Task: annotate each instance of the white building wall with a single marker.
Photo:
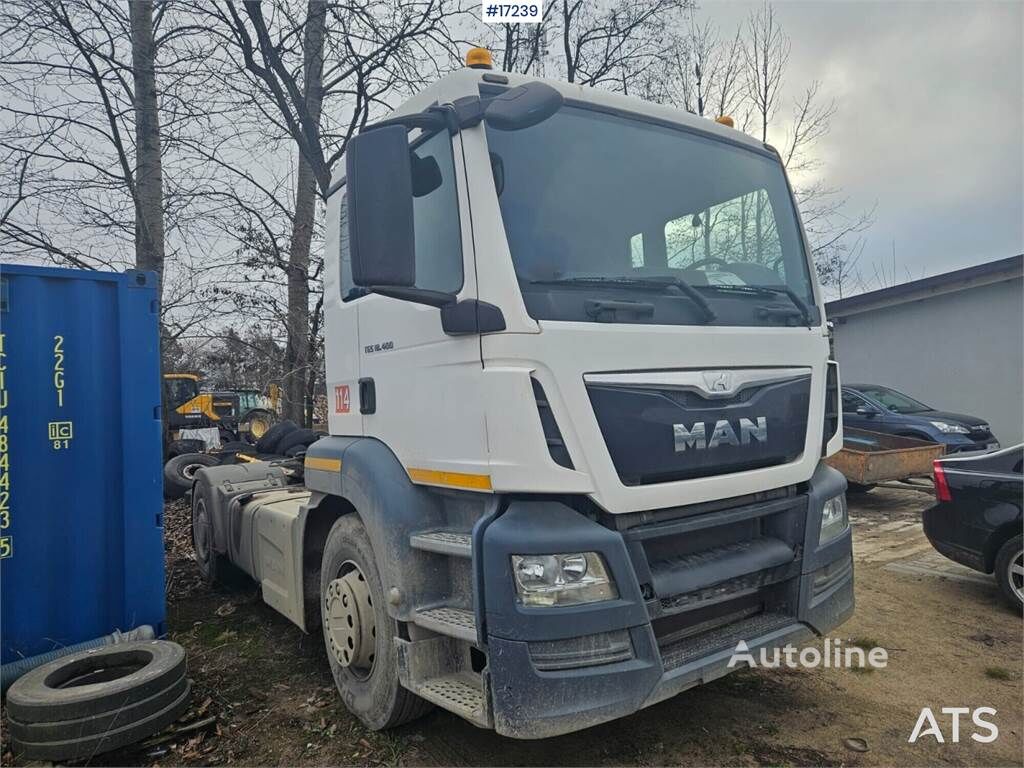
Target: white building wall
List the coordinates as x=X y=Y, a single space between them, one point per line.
x=961 y=351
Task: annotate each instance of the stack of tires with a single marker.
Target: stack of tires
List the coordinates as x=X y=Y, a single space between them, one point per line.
x=97 y=700
x=283 y=440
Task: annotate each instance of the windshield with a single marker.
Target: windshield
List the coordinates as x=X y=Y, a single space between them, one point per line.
x=180 y=391
x=611 y=218
x=894 y=401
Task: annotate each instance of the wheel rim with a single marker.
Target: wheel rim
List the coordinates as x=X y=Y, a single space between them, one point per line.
x=201 y=531
x=349 y=622
x=258 y=427
x=189 y=470
x=1015 y=575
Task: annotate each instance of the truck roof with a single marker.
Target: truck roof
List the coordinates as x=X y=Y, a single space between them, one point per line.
x=467 y=82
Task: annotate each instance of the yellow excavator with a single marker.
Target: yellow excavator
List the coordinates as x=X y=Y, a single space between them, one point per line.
x=234 y=412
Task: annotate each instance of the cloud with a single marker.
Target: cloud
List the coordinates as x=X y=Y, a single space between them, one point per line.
x=930 y=121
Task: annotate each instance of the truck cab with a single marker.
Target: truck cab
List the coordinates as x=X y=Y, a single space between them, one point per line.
x=580 y=392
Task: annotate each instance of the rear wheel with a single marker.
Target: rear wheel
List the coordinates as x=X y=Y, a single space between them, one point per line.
x=358 y=633
x=1010 y=571
x=259 y=422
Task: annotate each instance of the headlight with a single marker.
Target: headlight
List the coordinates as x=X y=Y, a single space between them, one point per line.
x=567 y=579
x=834 y=519
x=946 y=427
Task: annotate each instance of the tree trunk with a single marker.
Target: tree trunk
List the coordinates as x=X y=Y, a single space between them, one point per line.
x=297 y=348
x=148 y=193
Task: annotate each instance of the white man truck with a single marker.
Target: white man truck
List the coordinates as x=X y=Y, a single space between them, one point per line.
x=580 y=392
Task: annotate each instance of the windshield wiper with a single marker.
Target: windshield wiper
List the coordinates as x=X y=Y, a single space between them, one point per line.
x=648 y=283
x=803 y=311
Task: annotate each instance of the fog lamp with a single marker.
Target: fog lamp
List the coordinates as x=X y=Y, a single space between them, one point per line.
x=565 y=579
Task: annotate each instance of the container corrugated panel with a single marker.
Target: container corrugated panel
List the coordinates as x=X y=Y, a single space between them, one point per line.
x=80 y=457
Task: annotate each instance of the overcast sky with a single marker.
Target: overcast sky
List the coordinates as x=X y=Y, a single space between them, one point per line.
x=930 y=121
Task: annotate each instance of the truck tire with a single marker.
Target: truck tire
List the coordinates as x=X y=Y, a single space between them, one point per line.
x=79 y=747
x=364 y=663
x=180 y=472
x=95 y=681
x=101 y=722
x=1009 y=561
x=300 y=437
x=214 y=567
x=268 y=443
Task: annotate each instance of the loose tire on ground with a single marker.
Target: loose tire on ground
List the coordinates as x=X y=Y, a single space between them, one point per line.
x=273 y=436
x=97 y=724
x=105 y=741
x=96 y=681
x=180 y=471
x=372 y=694
x=1010 y=572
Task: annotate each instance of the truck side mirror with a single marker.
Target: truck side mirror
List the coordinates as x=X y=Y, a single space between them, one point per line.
x=522 y=107
x=378 y=174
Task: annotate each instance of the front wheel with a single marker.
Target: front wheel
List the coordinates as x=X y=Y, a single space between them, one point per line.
x=358 y=633
x=1010 y=571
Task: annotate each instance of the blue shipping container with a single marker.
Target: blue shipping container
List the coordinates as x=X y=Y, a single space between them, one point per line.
x=81 y=506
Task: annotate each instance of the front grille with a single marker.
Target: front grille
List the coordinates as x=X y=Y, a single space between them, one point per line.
x=727 y=590
x=658 y=433
x=721 y=638
x=705 y=572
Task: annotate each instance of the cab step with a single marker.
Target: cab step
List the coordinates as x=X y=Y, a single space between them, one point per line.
x=444 y=542
x=447 y=620
x=458 y=692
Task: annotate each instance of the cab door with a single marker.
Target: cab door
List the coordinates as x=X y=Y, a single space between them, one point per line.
x=419 y=388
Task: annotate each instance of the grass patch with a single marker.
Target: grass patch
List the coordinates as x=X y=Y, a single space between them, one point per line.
x=862 y=670
x=998 y=673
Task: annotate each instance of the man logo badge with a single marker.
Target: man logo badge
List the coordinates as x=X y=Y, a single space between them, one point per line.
x=696 y=437
x=718 y=381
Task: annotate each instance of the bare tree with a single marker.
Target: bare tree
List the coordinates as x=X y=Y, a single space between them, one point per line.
x=148 y=196
x=354 y=57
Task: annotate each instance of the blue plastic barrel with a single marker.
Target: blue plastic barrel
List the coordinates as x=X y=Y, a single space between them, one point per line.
x=81 y=523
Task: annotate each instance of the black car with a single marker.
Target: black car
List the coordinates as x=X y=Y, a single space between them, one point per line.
x=881 y=409
x=977 y=518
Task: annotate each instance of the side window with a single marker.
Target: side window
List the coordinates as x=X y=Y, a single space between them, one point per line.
x=436 y=216
x=636 y=250
x=850 y=403
x=435 y=213
x=348 y=290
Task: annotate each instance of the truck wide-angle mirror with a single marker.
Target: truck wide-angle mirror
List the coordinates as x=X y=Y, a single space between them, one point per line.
x=522 y=107
x=380 y=190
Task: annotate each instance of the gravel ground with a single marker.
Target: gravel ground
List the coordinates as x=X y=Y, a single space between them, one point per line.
x=263 y=695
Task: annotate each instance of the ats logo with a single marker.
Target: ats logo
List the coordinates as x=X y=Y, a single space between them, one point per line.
x=342 y=403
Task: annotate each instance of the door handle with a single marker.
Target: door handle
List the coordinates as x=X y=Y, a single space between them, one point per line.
x=367 y=396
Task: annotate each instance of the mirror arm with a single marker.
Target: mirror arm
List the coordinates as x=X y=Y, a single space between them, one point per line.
x=428 y=121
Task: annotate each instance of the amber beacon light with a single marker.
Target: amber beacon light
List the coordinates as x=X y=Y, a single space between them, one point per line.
x=479 y=58
x=725 y=120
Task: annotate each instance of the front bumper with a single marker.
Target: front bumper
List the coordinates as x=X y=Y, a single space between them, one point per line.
x=556 y=670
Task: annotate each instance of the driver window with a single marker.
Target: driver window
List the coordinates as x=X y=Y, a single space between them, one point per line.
x=851 y=403
x=735 y=242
